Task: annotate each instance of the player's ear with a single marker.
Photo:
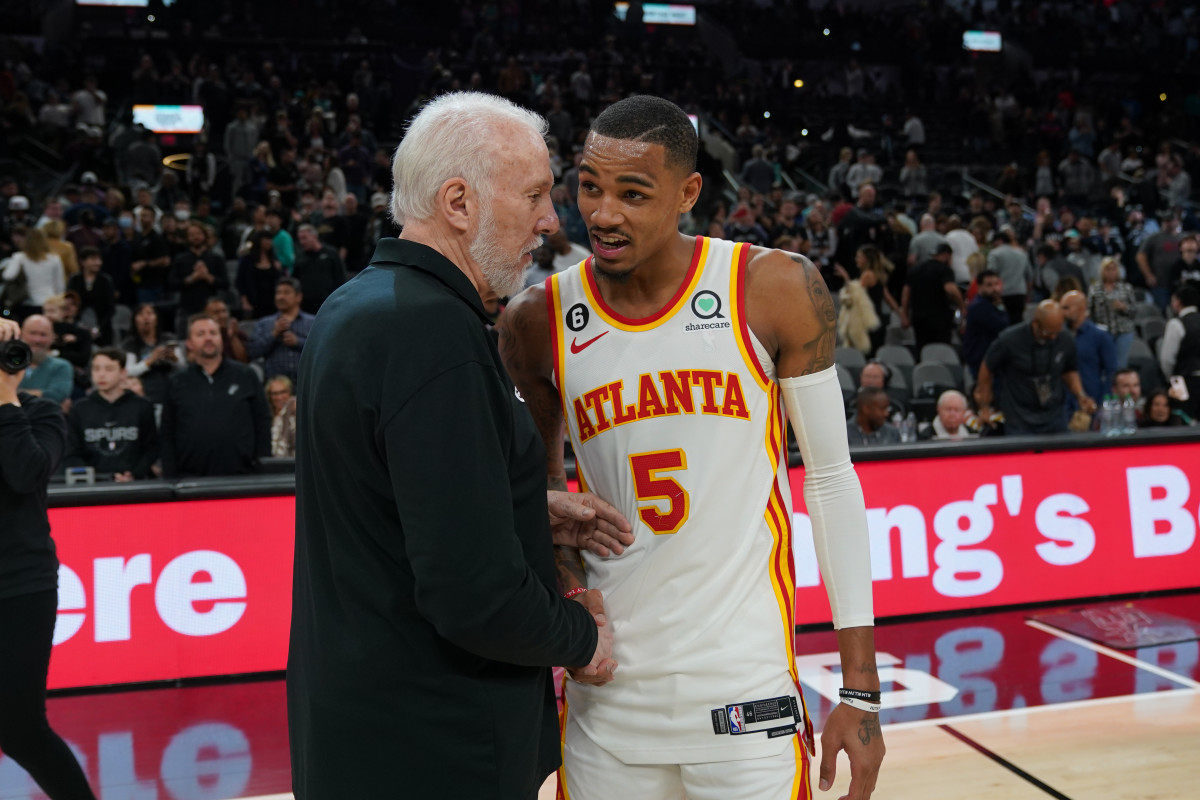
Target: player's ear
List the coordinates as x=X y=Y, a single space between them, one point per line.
x=690 y=192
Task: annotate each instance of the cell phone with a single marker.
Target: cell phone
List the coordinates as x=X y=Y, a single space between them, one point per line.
x=1179 y=388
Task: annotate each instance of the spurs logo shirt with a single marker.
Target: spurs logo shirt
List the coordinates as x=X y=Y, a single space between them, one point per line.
x=677 y=421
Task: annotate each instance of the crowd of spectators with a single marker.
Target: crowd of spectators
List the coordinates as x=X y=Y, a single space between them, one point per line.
x=167 y=247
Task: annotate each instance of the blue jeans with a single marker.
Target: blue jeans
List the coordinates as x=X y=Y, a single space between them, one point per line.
x=1123 y=341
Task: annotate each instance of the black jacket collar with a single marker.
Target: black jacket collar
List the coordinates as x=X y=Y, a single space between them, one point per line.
x=400 y=252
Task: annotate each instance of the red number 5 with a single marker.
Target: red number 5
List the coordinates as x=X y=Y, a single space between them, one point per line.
x=649 y=486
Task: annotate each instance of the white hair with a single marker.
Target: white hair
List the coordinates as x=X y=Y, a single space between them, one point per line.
x=452 y=137
x=952 y=394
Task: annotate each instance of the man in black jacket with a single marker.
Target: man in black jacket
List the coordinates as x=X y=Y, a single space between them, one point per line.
x=197 y=273
x=215 y=419
x=32 y=436
x=112 y=430
x=425 y=612
x=319 y=268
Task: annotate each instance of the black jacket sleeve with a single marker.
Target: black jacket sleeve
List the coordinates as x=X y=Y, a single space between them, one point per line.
x=262 y=422
x=167 y=439
x=472 y=580
x=148 y=441
x=33 y=439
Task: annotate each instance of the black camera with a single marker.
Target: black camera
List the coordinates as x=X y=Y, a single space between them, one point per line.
x=15 y=356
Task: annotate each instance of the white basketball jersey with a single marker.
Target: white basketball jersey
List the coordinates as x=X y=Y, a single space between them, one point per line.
x=677 y=421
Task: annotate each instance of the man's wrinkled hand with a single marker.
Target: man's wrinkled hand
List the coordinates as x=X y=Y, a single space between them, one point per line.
x=858 y=733
x=602 y=666
x=585 y=521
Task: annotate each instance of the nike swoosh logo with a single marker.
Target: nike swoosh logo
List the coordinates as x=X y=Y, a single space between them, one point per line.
x=576 y=349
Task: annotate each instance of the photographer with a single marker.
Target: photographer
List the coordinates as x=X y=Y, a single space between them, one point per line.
x=32 y=438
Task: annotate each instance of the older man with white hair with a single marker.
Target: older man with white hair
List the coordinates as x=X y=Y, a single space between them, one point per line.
x=950 y=424
x=425 y=611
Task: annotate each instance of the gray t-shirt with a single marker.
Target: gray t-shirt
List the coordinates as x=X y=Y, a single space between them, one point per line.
x=888 y=434
x=924 y=244
x=1013 y=266
x=1028 y=374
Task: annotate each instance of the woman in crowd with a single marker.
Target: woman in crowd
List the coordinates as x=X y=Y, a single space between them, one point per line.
x=150 y=357
x=914 y=180
x=258 y=272
x=281 y=399
x=55 y=230
x=43 y=271
x=1161 y=412
x=1111 y=303
x=874 y=272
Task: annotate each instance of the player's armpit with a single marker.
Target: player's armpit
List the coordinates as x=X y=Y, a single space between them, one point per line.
x=528 y=355
x=790 y=310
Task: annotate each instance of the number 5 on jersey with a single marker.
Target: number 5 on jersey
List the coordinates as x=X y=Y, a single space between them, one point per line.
x=649 y=486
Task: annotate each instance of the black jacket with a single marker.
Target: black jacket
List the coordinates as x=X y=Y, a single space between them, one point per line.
x=319 y=274
x=425 y=615
x=32 y=439
x=193 y=296
x=215 y=425
x=112 y=437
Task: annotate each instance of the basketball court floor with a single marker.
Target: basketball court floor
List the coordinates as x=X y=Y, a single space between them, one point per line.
x=991 y=705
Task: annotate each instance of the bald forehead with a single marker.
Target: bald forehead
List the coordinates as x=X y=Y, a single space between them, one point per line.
x=37 y=324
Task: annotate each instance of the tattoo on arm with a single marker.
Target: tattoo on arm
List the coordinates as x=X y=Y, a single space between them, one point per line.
x=868 y=728
x=570 y=568
x=819 y=349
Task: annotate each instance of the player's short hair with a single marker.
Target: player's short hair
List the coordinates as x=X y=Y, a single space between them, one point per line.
x=452 y=137
x=654 y=120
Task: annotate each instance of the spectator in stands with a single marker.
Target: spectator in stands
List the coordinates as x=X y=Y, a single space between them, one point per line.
x=117 y=254
x=356 y=231
x=88 y=104
x=758 y=172
x=151 y=357
x=215 y=420
x=54 y=230
x=318 y=268
x=839 y=171
x=1128 y=383
x=42 y=271
x=258 y=272
x=1111 y=303
x=279 y=338
x=870 y=424
x=922 y=247
x=331 y=227
x=112 y=430
x=355 y=161
x=913 y=131
x=47 y=376
x=234 y=343
x=71 y=342
x=143 y=161
x=743 y=227
x=1179 y=182
x=914 y=179
x=1162 y=411
x=1053 y=268
x=1078 y=176
x=950 y=424
x=1157 y=256
x=284 y=177
x=862 y=224
x=151 y=259
x=874 y=272
x=1027 y=371
x=862 y=172
x=877 y=375
x=1095 y=351
x=97 y=297
x=1187 y=268
x=241 y=137
x=930 y=297
x=1011 y=263
x=986 y=319
x=281 y=240
x=1179 y=351
x=381 y=224
x=281 y=399
x=197 y=274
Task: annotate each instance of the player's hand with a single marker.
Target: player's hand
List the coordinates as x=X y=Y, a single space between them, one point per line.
x=857 y=732
x=585 y=521
x=600 y=670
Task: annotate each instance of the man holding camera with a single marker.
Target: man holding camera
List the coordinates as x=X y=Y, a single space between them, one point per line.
x=32 y=439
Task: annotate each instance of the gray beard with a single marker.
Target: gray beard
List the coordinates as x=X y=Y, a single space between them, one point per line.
x=504 y=275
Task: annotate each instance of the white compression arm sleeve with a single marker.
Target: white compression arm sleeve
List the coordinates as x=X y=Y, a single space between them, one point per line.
x=833 y=495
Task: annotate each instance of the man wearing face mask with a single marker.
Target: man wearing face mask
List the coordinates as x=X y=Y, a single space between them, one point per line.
x=1027 y=371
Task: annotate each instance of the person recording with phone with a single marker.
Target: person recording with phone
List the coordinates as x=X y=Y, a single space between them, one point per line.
x=33 y=436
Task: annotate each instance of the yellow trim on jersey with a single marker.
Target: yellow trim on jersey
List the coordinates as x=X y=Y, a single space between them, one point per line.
x=777 y=520
x=801 y=780
x=560 y=346
x=736 y=303
x=562 y=744
x=661 y=319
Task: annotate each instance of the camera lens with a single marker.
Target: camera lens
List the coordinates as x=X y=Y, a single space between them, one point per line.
x=14 y=356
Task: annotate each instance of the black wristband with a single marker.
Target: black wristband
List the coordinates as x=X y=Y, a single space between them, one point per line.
x=859 y=694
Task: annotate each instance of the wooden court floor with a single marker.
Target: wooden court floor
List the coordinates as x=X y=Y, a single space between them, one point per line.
x=978 y=706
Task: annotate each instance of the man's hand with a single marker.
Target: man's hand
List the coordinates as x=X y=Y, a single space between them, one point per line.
x=857 y=732
x=1087 y=404
x=584 y=521
x=123 y=477
x=600 y=670
x=291 y=340
x=282 y=324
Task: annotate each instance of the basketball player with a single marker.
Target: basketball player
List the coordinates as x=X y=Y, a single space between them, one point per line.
x=673 y=359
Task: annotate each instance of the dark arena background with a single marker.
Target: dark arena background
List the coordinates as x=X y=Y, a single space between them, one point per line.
x=1037 y=597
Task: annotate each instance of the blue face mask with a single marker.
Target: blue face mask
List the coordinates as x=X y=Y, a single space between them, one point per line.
x=126 y=223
